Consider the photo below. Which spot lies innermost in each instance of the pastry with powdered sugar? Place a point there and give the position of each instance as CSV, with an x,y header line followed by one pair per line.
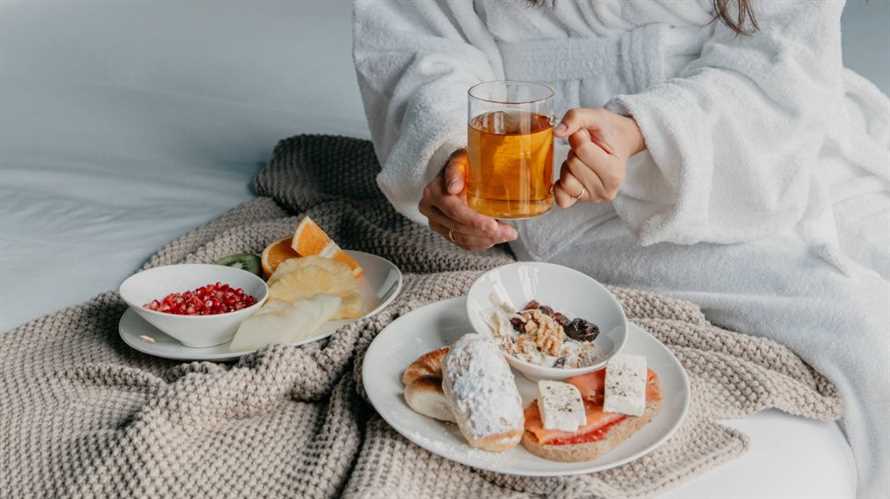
x,y
482,394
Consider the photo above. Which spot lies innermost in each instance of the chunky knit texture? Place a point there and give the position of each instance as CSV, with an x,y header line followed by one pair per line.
x,y
81,414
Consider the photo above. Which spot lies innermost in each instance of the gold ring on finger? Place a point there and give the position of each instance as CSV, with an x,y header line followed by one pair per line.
x,y
451,235
580,193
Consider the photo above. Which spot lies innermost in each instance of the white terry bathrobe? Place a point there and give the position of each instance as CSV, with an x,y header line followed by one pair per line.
x,y
763,195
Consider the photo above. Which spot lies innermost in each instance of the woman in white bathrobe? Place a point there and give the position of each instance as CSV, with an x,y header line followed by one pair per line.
x,y
748,173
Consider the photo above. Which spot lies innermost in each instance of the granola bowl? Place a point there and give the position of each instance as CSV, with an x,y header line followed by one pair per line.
x,y
552,322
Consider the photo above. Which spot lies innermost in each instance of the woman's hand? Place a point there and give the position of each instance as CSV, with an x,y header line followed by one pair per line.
x,y
601,142
444,204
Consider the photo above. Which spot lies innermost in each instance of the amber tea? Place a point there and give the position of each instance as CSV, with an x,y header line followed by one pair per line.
x,y
510,149
511,164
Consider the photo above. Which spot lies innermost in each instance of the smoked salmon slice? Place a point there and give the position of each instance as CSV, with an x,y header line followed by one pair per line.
x,y
592,387
596,419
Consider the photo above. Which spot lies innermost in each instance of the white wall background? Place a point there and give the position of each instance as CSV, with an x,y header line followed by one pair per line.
x,y
866,25
204,79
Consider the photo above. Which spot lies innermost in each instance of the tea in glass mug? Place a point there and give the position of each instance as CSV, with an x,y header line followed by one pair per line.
x,y
510,149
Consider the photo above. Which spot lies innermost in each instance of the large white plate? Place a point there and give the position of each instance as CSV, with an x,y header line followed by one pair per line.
x,y
379,286
440,324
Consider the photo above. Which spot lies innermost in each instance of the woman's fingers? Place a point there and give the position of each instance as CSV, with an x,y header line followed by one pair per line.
x,y
577,119
466,241
454,176
568,190
453,206
575,173
435,215
601,142
582,125
589,176
608,169
449,214
456,215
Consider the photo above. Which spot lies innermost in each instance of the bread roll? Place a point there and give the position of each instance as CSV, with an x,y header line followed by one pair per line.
x,y
427,365
482,394
423,386
425,396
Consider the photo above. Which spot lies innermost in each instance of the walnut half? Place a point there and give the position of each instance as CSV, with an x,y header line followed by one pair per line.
x,y
548,334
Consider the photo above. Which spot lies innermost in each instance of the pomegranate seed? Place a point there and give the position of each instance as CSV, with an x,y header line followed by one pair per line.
x,y
216,298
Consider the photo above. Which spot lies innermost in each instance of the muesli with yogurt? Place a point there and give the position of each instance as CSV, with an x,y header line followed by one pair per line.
x,y
543,336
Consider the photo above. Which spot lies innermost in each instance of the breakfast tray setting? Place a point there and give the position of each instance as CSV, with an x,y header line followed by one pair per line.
x,y
83,414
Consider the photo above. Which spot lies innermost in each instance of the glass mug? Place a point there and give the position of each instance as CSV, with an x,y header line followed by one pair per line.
x,y
510,149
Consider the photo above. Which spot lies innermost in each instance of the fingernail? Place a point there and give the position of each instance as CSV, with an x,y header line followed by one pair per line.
x,y
561,128
452,186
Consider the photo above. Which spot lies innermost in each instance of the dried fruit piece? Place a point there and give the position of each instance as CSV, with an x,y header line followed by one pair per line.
x,y
560,319
582,330
516,322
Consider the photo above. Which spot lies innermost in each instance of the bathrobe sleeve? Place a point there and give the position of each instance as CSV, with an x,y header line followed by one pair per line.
x,y
733,140
415,61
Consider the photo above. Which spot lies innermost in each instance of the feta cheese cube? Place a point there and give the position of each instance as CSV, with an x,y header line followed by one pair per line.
x,y
561,406
626,385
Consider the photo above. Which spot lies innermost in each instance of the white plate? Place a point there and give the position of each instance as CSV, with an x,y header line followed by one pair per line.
x,y
379,286
440,324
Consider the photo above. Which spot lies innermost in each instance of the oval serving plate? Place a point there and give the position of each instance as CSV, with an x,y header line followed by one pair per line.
x,y
380,285
440,324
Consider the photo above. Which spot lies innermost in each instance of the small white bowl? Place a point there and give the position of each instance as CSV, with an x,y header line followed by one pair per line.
x,y
192,330
565,290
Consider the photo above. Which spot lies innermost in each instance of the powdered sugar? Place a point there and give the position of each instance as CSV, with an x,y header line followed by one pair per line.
x,y
480,386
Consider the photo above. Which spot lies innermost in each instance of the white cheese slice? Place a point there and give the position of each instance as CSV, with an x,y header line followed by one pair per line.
x,y
561,406
626,385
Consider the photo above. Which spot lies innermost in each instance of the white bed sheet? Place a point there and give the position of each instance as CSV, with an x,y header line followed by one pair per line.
x,y
109,150
76,230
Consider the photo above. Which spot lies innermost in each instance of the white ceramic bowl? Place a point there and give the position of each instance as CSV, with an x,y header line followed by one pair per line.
x,y
192,330
565,290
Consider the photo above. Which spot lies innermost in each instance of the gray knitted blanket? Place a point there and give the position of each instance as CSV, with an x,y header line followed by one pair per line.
x,y
83,415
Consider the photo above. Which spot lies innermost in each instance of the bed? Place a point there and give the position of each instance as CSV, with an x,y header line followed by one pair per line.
x,y
117,136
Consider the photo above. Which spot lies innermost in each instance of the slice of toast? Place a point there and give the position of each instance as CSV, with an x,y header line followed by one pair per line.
x,y
589,451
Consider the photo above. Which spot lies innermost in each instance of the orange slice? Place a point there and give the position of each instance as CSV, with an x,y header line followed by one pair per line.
x,y
344,257
310,240
276,253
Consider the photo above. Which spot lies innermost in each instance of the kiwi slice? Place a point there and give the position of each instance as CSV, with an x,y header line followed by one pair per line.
x,y
244,261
